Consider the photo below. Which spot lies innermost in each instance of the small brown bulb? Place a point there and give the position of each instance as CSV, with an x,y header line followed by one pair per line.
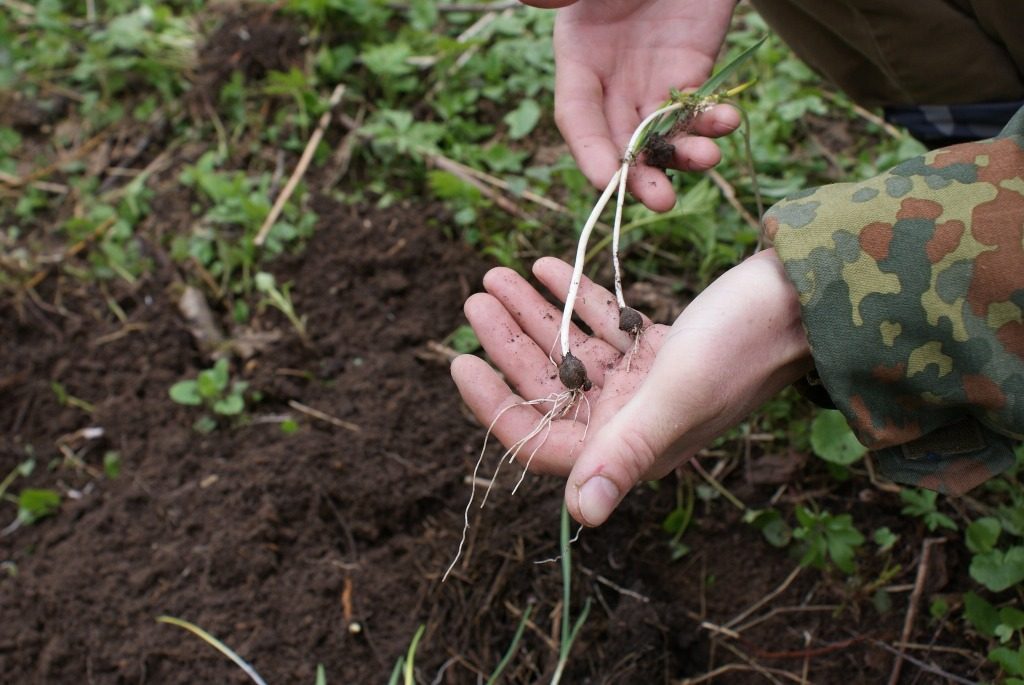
x,y
573,373
630,321
658,152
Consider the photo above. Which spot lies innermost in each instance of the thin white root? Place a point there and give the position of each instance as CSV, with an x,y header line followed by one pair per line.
x,y
586,427
572,541
560,405
633,350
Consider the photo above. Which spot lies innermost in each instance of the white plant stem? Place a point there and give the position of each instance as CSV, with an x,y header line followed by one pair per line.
x,y
581,253
617,231
617,182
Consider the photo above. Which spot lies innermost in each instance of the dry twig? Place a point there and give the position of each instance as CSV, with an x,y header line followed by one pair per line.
x,y
460,171
930,668
300,168
915,601
81,151
867,115
317,414
767,598
729,192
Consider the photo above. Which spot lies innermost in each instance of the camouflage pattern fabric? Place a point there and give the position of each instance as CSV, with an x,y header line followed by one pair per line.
x,y
912,290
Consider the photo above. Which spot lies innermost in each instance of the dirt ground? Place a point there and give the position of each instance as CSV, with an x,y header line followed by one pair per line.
x,y
327,545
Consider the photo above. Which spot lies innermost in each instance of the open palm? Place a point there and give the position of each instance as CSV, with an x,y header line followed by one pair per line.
x,y
617,61
654,402
517,327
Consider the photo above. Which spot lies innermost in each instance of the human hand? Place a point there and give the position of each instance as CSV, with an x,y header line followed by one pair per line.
x,y
653,404
616,61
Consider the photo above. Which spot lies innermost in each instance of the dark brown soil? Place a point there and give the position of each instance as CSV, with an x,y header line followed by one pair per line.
x,y
658,152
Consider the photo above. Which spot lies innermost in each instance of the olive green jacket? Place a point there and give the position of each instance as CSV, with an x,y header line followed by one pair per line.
x,y
912,52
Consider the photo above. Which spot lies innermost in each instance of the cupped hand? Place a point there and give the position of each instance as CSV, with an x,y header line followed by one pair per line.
x,y
616,62
655,401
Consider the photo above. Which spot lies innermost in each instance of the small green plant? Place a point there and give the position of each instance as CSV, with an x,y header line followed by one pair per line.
x,y
111,464
772,525
37,503
825,537
66,399
996,569
33,503
403,670
281,300
678,520
1004,624
254,676
463,340
214,390
885,539
922,504
223,240
513,646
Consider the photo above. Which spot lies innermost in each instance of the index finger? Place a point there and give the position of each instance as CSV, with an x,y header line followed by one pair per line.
x,y
580,116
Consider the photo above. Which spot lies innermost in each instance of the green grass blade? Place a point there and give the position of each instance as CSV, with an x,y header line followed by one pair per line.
x,y
569,631
410,657
580,620
511,648
216,644
566,579
321,675
396,672
716,81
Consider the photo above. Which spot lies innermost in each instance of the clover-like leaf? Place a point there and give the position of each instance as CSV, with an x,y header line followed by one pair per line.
x,y
998,570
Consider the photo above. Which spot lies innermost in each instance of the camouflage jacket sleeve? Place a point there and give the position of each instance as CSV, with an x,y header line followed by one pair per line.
x,y
912,290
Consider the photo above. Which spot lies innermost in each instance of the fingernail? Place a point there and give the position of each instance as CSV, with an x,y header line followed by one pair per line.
x,y
597,497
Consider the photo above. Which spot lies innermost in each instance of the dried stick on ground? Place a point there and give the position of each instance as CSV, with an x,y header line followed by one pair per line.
x,y
867,115
729,193
73,156
300,168
767,598
915,601
460,171
928,668
317,414
343,155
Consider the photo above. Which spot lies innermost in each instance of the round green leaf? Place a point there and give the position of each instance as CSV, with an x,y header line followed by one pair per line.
x,y
998,570
983,534
230,405
832,439
522,119
185,392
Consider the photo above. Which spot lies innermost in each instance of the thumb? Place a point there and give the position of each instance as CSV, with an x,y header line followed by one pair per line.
x,y
612,462
735,346
640,441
